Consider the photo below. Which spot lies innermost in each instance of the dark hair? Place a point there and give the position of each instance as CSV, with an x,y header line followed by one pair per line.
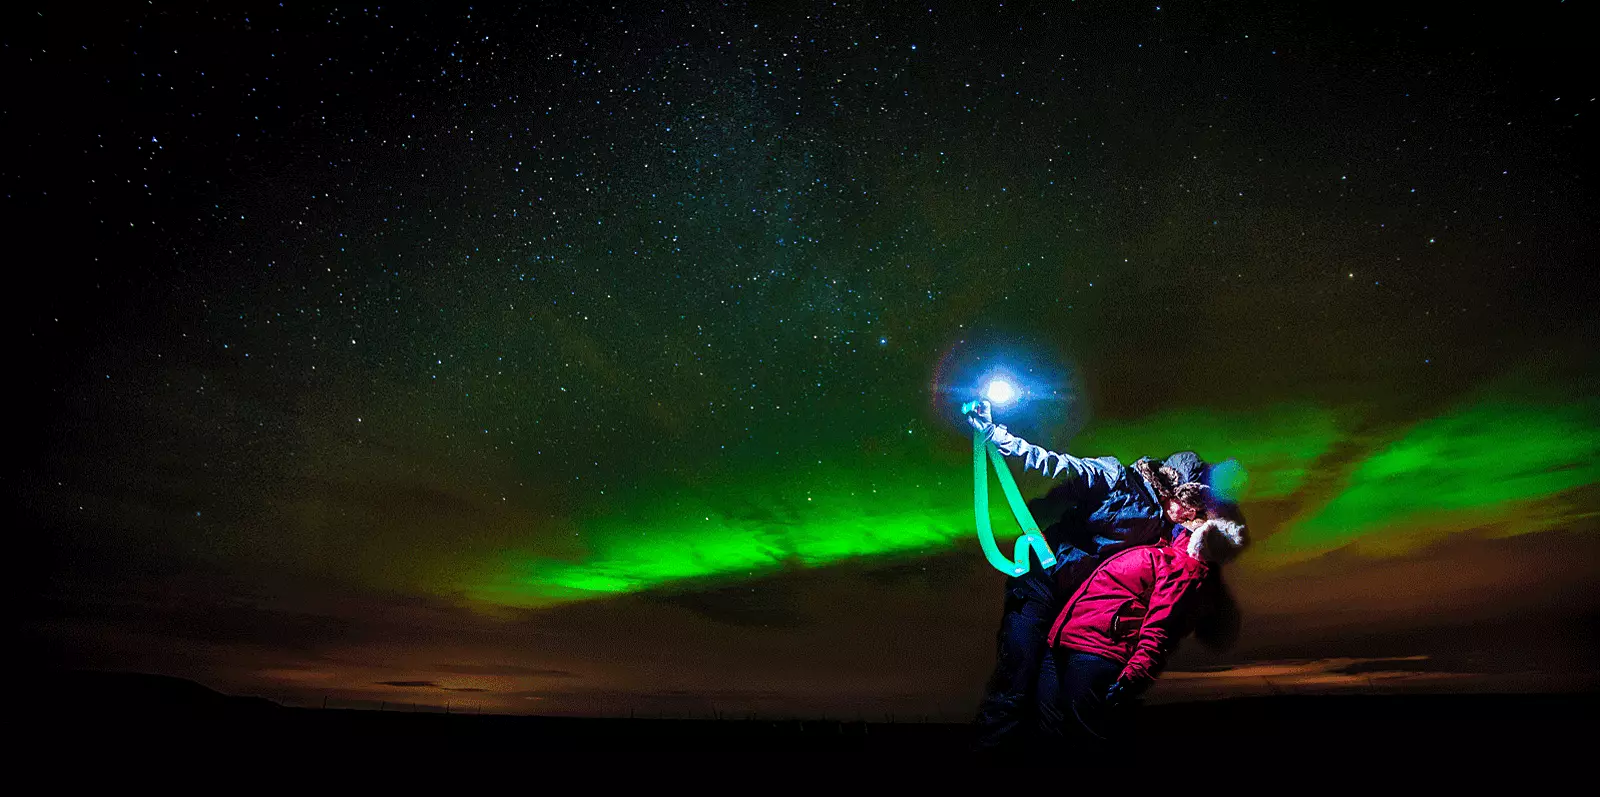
x,y
1217,621
1161,478
1193,494
1169,486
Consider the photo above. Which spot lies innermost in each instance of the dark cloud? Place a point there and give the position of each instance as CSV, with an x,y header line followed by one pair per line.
x,y
715,694
430,685
1416,664
504,669
767,603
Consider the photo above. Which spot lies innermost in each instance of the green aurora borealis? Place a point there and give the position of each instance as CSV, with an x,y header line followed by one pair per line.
x,y
602,354
1494,463
1490,461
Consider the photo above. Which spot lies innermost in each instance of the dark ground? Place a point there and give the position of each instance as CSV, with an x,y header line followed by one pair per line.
x,y
1459,738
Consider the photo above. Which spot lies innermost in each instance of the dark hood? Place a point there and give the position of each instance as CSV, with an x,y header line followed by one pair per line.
x,y
1190,467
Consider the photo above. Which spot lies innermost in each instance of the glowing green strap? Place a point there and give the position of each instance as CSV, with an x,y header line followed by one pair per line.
x,y
1018,564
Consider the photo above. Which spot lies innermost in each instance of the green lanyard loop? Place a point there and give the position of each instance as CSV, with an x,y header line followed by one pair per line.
x,y
1018,564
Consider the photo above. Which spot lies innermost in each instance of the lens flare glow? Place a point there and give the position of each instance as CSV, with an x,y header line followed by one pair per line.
x,y
1000,392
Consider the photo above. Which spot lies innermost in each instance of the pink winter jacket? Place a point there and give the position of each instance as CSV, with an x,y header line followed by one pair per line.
x,y
1135,607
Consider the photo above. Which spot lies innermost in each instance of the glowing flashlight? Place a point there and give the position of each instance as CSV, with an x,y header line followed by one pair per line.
x,y
1000,392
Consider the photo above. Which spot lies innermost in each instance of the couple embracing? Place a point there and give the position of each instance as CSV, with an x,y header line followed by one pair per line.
x,y
1139,553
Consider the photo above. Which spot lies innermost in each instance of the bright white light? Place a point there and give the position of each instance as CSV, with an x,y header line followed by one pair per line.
x,y
1000,392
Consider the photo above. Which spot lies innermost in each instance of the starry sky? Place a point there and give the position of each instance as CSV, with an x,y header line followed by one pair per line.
x,y
588,360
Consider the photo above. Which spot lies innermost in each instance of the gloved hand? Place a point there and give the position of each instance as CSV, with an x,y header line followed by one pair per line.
x,y
1120,694
978,414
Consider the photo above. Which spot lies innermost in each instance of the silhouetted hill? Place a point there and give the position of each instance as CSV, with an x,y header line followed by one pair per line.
x,y
128,692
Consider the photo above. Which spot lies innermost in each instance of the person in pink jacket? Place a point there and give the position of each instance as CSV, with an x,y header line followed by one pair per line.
x,y
1116,632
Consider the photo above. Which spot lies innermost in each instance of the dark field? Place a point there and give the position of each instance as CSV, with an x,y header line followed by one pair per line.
x,y
1455,737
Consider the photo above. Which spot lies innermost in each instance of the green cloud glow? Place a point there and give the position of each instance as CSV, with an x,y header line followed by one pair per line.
x,y
910,501
773,520
1491,461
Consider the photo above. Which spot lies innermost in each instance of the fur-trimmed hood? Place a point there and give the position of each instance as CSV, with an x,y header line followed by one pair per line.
x,y
1218,540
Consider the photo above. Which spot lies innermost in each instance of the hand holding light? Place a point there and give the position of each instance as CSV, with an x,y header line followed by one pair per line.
x,y
978,414
997,392
984,453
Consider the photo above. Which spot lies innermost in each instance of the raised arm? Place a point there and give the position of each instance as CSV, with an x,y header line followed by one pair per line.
x,y
1090,477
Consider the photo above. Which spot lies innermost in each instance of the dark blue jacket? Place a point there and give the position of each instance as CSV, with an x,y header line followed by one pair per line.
x,y
1104,507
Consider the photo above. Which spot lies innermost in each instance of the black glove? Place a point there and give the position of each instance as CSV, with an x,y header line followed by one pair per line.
x,y
1120,694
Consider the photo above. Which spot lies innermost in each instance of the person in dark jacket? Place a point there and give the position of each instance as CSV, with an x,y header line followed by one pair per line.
x,y
1116,633
1109,507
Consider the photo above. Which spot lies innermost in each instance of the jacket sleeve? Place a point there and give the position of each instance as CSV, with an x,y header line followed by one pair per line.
x,y
1089,477
1171,602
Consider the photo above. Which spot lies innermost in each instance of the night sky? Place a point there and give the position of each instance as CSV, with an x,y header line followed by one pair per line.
x,y
587,361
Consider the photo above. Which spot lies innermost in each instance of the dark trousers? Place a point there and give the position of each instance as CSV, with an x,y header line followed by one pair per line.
x,y
1008,716
1074,719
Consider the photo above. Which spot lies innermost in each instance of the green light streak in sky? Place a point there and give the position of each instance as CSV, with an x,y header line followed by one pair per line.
x,y
914,501
773,520
1490,461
